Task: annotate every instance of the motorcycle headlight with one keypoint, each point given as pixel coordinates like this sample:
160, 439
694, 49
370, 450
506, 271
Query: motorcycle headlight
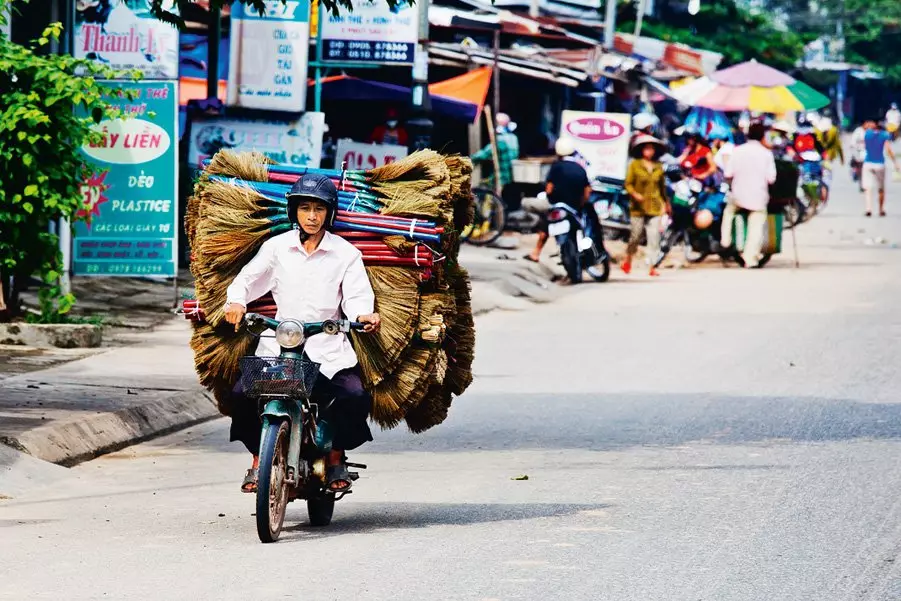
289, 333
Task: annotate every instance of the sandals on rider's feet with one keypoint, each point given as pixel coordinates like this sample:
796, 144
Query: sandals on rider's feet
250, 480
338, 478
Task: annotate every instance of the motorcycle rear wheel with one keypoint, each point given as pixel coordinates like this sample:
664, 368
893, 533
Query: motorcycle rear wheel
320, 509
272, 488
571, 259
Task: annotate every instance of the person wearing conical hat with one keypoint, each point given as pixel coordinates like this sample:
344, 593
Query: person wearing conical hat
646, 187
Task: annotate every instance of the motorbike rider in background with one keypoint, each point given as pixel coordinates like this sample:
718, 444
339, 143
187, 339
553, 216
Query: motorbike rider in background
697, 156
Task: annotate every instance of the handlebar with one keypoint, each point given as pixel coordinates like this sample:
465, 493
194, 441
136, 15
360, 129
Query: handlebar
257, 323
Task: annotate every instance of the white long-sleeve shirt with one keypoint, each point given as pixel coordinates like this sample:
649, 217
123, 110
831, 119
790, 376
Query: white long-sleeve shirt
309, 287
752, 169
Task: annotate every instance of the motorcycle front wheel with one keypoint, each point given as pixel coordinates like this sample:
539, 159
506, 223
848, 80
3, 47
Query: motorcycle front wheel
600, 272
272, 488
320, 509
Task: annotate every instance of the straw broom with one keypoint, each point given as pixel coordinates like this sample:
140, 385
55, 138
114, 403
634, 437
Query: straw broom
460, 339
405, 376
217, 353
397, 294
405, 387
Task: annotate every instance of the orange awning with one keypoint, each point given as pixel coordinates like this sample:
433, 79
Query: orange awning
194, 88
471, 87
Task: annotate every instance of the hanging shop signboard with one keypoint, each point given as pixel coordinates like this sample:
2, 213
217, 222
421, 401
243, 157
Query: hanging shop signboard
268, 56
372, 33
297, 142
601, 138
131, 202
122, 34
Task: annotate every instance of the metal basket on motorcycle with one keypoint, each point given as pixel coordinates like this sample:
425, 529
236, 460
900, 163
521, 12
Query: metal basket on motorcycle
263, 377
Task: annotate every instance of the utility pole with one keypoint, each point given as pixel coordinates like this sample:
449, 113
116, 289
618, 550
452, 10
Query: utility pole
841, 87
639, 16
600, 102
214, 40
420, 124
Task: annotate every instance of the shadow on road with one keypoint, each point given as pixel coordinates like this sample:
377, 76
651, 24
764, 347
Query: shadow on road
361, 518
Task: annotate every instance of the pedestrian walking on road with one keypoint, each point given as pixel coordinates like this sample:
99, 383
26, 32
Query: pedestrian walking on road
752, 170
646, 187
878, 144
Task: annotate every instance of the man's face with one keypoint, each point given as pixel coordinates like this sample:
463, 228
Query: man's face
311, 215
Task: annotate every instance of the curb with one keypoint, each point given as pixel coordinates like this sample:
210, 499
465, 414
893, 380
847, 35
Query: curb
70, 442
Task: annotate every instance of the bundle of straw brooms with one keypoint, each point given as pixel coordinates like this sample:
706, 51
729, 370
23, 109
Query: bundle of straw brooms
404, 218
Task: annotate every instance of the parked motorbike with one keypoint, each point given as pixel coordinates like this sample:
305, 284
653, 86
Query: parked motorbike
581, 242
611, 203
296, 439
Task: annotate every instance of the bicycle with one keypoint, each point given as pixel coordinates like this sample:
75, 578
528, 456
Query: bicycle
489, 218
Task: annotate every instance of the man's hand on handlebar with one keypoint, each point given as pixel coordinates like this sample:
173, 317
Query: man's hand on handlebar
373, 322
234, 313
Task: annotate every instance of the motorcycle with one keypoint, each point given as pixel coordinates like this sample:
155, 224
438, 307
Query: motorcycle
813, 190
581, 242
295, 438
689, 199
611, 203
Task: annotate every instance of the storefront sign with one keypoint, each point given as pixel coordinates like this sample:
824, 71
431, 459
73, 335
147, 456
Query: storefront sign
297, 143
131, 205
601, 138
360, 155
124, 35
371, 33
268, 57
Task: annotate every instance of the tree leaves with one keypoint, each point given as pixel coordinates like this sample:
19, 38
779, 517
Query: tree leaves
41, 166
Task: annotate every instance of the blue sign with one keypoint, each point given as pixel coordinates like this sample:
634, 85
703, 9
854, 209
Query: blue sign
131, 204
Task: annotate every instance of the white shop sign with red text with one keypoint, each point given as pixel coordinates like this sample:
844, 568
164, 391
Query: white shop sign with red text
360, 155
601, 138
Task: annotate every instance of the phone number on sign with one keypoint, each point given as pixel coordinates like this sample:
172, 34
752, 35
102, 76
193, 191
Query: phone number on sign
124, 269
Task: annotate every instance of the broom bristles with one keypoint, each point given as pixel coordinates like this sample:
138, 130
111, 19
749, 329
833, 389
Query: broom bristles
396, 291
250, 166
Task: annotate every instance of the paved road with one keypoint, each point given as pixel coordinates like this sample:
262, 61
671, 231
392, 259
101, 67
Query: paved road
716, 434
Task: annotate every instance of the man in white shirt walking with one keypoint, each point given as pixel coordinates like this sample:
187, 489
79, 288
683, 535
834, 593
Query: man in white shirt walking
752, 169
314, 275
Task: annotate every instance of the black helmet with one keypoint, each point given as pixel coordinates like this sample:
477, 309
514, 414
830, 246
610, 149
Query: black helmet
313, 186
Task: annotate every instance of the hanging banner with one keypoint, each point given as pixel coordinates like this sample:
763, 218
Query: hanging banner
268, 64
360, 155
122, 34
296, 142
131, 205
371, 33
601, 138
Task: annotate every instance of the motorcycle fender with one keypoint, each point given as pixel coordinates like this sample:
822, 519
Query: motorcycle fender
279, 409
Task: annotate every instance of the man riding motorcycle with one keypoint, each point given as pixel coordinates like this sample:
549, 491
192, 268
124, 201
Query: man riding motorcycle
313, 275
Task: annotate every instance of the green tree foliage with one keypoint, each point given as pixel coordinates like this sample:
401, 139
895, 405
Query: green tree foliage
41, 169
872, 28
727, 27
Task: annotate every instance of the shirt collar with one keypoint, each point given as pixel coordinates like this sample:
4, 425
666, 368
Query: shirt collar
325, 245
